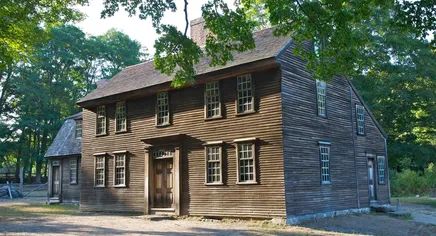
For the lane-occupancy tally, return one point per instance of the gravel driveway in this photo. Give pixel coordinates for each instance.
(35, 219)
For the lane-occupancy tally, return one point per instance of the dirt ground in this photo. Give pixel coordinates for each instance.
(24, 218)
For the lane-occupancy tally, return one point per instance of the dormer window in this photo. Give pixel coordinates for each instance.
(78, 133)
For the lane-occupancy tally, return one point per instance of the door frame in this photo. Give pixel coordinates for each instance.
(372, 158)
(149, 179)
(54, 163)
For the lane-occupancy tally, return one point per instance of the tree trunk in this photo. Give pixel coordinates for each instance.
(4, 90)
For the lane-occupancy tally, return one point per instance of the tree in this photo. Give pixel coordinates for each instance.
(341, 31)
(22, 28)
(45, 88)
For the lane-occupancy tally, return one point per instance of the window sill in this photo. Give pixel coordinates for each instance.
(247, 183)
(99, 186)
(163, 125)
(214, 184)
(213, 118)
(121, 132)
(120, 186)
(245, 113)
(101, 135)
(326, 183)
(73, 183)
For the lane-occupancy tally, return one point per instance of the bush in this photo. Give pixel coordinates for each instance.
(410, 183)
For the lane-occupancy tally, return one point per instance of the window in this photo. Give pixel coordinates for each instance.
(101, 120)
(213, 165)
(100, 171)
(246, 163)
(360, 116)
(324, 153)
(381, 169)
(162, 109)
(321, 97)
(78, 133)
(120, 169)
(245, 101)
(212, 100)
(120, 117)
(73, 171)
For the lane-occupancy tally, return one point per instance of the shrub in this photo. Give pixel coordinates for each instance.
(410, 183)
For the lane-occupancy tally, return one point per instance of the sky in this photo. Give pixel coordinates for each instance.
(137, 29)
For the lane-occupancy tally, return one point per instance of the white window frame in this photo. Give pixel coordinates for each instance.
(117, 155)
(208, 146)
(381, 169)
(324, 161)
(321, 98)
(212, 97)
(120, 117)
(73, 171)
(96, 157)
(79, 126)
(360, 119)
(242, 92)
(163, 115)
(251, 142)
(101, 118)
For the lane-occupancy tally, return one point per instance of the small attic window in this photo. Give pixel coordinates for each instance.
(78, 129)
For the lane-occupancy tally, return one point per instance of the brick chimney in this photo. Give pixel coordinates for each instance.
(198, 33)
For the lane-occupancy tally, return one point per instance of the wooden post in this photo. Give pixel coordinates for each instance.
(147, 166)
(9, 189)
(177, 179)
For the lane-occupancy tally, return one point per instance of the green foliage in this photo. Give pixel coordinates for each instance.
(410, 183)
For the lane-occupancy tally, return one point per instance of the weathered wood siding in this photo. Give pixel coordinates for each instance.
(371, 143)
(70, 192)
(265, 199)
(303, 129)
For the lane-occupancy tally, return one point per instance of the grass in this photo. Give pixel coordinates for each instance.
(416, 200)
(33, 209)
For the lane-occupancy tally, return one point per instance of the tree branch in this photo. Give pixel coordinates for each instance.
(186, 17)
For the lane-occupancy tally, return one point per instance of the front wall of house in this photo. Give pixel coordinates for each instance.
(70, 191)
(187, 107)
(303, 129)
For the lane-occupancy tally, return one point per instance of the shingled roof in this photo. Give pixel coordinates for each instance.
(145, 75)
(65, 142)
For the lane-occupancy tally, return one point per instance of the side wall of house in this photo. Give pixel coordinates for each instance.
(187, 107)
(370, 145)
(303, 129)
(70, 192)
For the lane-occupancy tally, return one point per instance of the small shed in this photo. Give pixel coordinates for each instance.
(64, 156)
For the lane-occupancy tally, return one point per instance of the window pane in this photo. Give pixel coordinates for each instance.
(99, 170)
(120, 169)
(381, 169)
(163, 113)
(213, 161)
(78, 129)
(245, 93)
(73, 171)
(321, 97)
(120, 117)
(212, 100)
(101, 120)
(246, 162)
(324, 152)
(360, 116)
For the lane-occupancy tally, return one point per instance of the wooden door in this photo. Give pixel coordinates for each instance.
(56, 181)
(163, 183)
(371, 180)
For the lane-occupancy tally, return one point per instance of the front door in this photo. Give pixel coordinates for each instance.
(371, 180)
(56, 181)
(163, 183)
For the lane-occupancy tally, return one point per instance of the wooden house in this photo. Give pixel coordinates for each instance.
(64, 156)
(255, 138)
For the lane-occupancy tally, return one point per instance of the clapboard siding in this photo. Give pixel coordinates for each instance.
(372, 143)
(303, 129)
(265, 199)
(70, 192)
